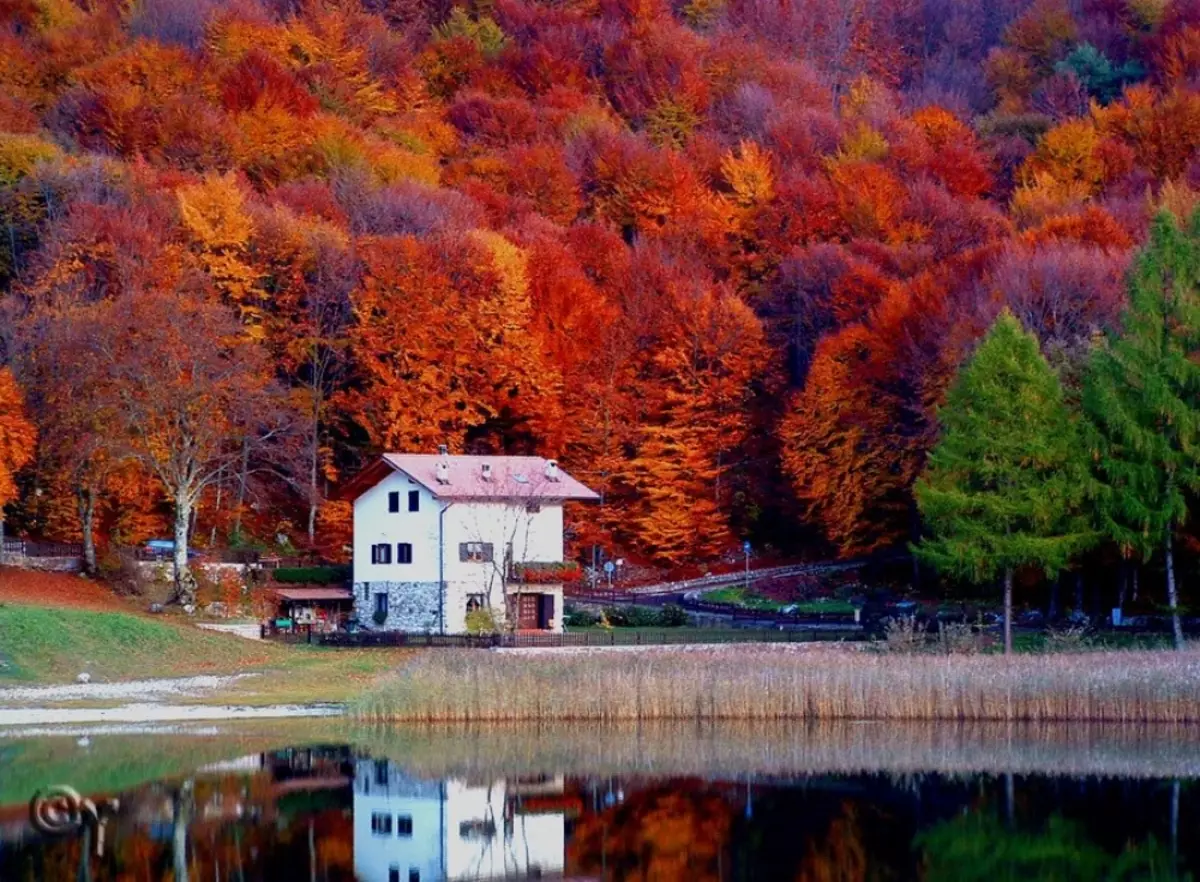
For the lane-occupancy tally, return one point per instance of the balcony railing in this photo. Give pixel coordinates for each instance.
(543, 572)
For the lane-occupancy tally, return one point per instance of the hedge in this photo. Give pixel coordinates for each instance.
(312, 575)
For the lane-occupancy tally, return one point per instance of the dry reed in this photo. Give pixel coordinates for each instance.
(753, 683)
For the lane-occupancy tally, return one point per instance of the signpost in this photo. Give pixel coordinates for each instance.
(609, 566)
(746, 551)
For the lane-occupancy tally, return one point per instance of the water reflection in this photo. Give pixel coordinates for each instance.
(340, 812)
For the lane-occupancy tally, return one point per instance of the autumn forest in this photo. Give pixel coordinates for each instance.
(723, 258)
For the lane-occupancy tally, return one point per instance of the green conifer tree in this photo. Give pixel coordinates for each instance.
(1003, 487)
(1142, 400)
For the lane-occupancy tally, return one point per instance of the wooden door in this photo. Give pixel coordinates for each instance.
(528, 607)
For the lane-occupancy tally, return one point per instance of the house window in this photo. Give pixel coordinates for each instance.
(414, 875)
(366, 590)
(414, 500)
(474, 602)
(381, 773)
(381, 605)
(403, 552)
(393, 874)
(381, 553)
(381, 824)
(404, 825)
(394, 501)
(533, 507)
(475, 552)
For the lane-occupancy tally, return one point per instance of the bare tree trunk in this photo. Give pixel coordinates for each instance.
(185, 582)
(1008, 596)
(314, 495)
(180, 820)
(1136, 569)
(1172, 593)
(1079, 593)
(86, 500)
(243, 473)
(1055, 593)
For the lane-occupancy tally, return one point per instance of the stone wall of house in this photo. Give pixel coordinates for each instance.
(412, 606)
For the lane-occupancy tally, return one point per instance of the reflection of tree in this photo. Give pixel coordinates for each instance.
(980, 846)
(660, 834)
(840, 856)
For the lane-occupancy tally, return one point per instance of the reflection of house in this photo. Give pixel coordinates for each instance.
(436, 536)
(411, 830)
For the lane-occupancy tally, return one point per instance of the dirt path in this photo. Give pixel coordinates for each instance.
(135, 689)
(156, 713)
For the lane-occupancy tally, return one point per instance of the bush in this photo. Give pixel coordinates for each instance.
(581, 618)
(312, 575)
(123, 573)
(631, 617)
(672, 616)
(481, 621)
(904, 634)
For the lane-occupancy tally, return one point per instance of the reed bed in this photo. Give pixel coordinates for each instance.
(753, 683)
(785, 749)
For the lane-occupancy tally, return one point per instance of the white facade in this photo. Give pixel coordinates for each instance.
(436, 548)
(414, 830)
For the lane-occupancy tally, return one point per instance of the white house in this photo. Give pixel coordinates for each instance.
(407, 829)
(436, 536)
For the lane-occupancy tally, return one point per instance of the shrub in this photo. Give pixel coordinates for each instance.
(123, 573)
(312, 575)
(481, 621)
(631, 617)
(672, 616)
(957, 638)
(1073, 638)
(581, 618)
(904, 634)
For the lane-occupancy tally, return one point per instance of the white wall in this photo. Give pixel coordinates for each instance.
(534, 841)
(375, 854)
(373, 523)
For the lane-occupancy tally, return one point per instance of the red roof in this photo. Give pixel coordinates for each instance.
(313, 594)
(526, 478)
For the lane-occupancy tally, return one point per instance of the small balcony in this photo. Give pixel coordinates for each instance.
(543, 572)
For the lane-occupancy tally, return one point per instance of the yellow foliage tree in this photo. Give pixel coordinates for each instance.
(749, 174)
(214, 215)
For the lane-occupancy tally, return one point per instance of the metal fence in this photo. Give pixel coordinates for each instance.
(615, 637)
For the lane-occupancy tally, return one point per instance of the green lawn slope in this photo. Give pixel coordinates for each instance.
(55, 644)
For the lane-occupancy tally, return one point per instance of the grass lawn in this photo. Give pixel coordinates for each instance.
(54, 644)
(738, 596)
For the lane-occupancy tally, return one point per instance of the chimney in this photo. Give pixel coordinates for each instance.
(443, 465)
(552, 470)
(486, 471)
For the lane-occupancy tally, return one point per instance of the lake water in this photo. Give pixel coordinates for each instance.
(328, 800)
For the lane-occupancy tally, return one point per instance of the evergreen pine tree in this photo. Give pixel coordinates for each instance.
(1002, 488)
(1142, 400)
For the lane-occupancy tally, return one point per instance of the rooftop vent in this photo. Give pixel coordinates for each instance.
(552, 470)
(485, 471)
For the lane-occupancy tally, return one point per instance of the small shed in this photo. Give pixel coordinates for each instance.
(319, 609)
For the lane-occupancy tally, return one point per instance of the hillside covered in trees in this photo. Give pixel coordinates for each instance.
(721, 257)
